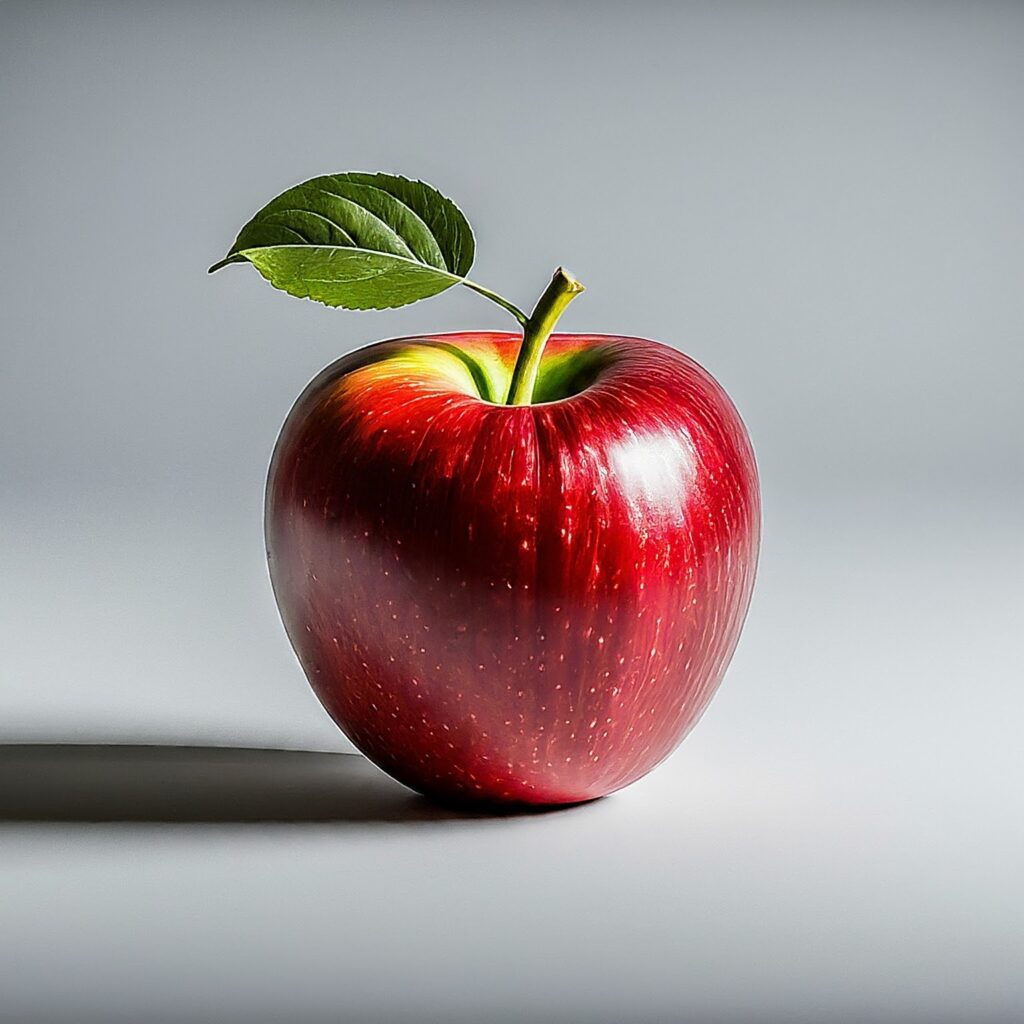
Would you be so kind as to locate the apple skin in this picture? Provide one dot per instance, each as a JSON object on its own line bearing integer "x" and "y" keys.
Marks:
{"x": 513, "y": 604}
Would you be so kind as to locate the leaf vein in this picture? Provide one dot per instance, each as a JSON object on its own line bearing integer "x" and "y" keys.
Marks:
{"x": 383, "y": 223}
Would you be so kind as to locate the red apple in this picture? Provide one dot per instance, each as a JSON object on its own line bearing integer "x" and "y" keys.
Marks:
{"x": 514, "y": 603}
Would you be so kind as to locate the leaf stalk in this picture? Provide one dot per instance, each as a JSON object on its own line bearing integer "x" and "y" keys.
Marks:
{"x": 495, "y": 297}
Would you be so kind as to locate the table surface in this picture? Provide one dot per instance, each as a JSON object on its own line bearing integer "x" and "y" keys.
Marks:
{"x": 839, "y": 839}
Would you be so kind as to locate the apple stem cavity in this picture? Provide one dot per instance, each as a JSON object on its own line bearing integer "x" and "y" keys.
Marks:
{"x": 562, "y": 289}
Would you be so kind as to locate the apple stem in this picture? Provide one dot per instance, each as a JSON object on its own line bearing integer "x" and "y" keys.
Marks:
{"x": 536, "y": 331}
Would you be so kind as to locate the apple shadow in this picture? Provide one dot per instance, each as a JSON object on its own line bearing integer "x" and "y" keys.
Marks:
{"x": 204, "y": 785}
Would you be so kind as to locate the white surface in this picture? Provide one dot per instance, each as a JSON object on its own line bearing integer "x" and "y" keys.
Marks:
{"x": 839, "y": 839}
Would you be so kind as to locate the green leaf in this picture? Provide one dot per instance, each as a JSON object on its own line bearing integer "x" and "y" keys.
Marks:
{"x": 362, "y": 241}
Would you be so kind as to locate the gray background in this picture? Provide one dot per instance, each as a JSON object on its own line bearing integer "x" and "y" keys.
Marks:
{"x": 821, "y": 203}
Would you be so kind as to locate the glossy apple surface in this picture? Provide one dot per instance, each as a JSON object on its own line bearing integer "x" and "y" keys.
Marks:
{"x": 522, "y": 604}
